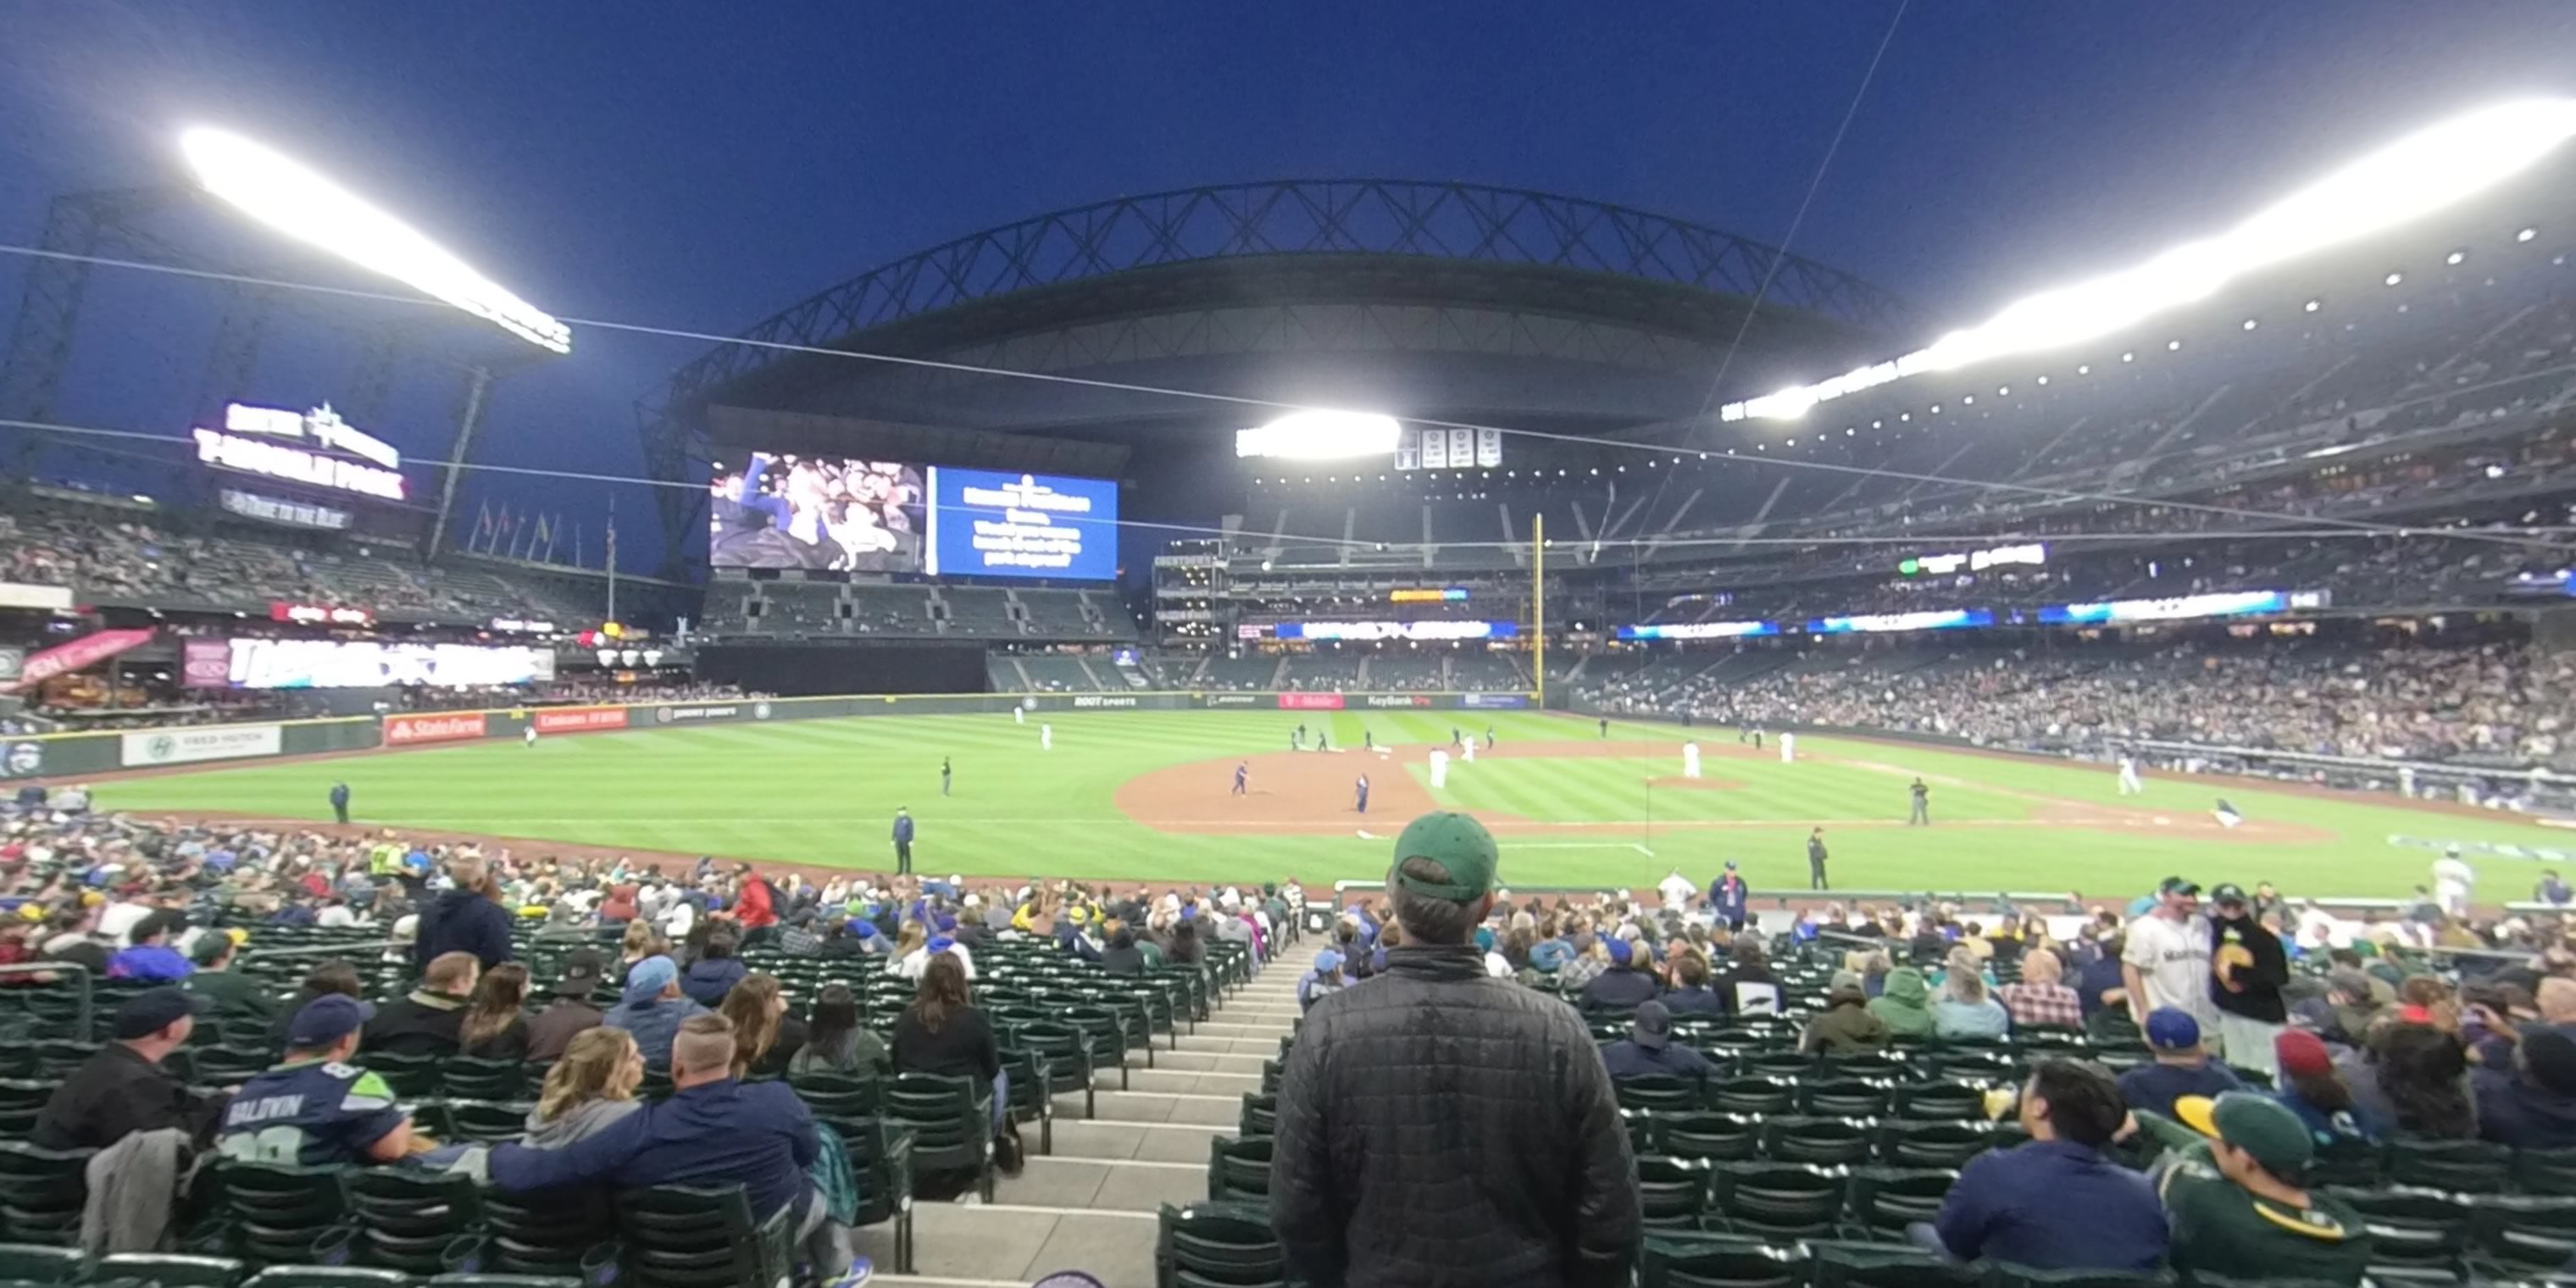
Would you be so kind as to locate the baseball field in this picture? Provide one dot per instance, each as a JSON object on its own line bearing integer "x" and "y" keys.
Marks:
{"x": 1149, "y": 796}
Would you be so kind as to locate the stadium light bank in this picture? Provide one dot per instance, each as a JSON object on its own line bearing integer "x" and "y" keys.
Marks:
{"x": 2405, "y": 180}
{"x": 1316, "y": 434}
{"x": 284, "y": 194}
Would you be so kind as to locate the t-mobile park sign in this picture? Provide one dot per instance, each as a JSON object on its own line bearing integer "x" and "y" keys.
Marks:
{"x": 247, "y": 443}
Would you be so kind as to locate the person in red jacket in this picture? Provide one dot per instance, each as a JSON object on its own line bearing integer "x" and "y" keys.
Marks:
{"x": 755, "y": 907}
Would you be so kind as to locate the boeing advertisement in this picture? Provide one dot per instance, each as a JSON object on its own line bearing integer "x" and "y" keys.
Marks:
{"x": 984, "y": 523}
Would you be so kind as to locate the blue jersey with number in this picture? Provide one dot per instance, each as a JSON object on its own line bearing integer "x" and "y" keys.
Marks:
{"x": 312, "y": 1114}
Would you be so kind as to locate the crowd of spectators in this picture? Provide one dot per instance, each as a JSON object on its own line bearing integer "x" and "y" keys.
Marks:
{"x": 2496, "y": 703}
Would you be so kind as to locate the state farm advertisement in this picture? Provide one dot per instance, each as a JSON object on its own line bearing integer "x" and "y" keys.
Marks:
{"x": 1310, "y": 702}
{"x": 577, "y": 719}
{"x": 410, "y": 731}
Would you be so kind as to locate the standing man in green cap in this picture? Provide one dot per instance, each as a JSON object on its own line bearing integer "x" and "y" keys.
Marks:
{"x": 1438, "y": 1126}
{"x": 2233, "y": 1180}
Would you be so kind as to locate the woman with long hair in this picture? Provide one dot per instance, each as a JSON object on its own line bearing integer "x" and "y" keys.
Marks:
{"x": 837, "y": 1042}
{"x": 592, "y": 1086}
{"x": 1185, "y": 949}
{"x": 2414, "y": 1077}
{"x": 2311, "y": 1088}
{"x": 765, "y": 1036}
{"x": 641, "y": 941}
{"x": 908, "y": 939}
{"x": 493, "y": 1028}
{"x": 1962, "y": 1008}
{"x": 943, "y": 1032}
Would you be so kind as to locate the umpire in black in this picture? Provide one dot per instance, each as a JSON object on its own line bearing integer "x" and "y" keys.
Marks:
{"x": 1444, "y": 1127}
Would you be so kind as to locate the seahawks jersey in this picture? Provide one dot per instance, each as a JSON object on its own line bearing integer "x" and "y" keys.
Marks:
{"x": 313, "y": 1114}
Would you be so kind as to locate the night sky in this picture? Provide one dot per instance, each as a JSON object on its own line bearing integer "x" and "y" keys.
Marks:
{"x": 700, "y": 166}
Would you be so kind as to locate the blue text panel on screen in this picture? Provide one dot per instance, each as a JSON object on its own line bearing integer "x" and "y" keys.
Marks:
{"x": 985, "y": 523}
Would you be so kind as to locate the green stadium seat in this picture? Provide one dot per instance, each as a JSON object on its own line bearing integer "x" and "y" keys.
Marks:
{"x": 284, "y": 1215}
{"x": 1824, "y": 1141}
{"x": 1780, "y": 1200}
{"x": 468, "y": 1078}
{"x": 1939, "y": 1101}
{"x": 688, "y": 1236}
{"x": 1884, "y": 1200}
{"x": 2011, "y": 1276}
{"x": 169, "y": 1270}
{"x": 1662, "y": 1093}
{"x": 1933, "y": 1143}
{"x": 412, "y": 1077}
{"x": 548, "y": 1233}
{"x": 328, "y": 1277}
{"x": 2454, "y": 1166}
{"x": 406, "y": 1218}
{"x": 1067, "y": 1052}
{"x": 2412, "y": 1230}
{"x": 1751, "y": 1095}
{"x": 881, "y": 1158}
{"x": 35, "y": 1263}
{"x": 1673, "y": 1192}
{"x": 1217, "y": 1245}
{"x": 1239, "y": 1169}
{"x": 952, "y": 1127}
{"x": 1260, "y": 1115}
{"x": 2545, "y": 1171}
{"x": 1840, "y": 1263}
{"x": 2523, "y": 1237}
{"x": 1717, "y": 1138}
{"x": 1830, "y": 1097}
{"x": 1676, "y": 1259}
{"x": 42, "y": 1191}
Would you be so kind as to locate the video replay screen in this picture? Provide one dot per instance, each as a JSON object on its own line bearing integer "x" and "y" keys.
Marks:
{"x": 820, "y": 513}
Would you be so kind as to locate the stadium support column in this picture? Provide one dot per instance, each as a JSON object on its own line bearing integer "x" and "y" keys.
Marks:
{"x": 478, "y": 383}
{"x": 1538, "y": 601}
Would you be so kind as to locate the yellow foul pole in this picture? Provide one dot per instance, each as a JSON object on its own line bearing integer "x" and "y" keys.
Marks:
{"x": 1538, "y": 599}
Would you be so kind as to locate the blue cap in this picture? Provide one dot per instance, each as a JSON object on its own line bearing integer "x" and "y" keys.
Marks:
{"x": 1620, "y": 952}
{"x": 1328, "y": 962}
{"x": 946, "y": 922}
{"x": 1189, "y": 912}
{"x": 327, "y": 1019}
{"x": 941, "y": 943}
{"x": 653, "y": 974}
{"x": 1485, "y": 938}
{"x": 862, "y": 927}
{"x": 2172, "y": 1029}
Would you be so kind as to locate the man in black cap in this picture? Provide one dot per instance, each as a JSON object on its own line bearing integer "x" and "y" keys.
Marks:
{"x": 123, "y": 1088}
{"x": 1439, "y": 1125}
{"x": 236, "y": 1003}
{"x": 2233, "y": 1182}
{"x": 1649, "y": 1052}
{"x": 2248, "y": 966}
{"x": 574, "y": 1010}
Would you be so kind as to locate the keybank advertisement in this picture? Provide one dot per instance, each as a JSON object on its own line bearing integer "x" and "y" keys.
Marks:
{"x": 214, "y": 742}
{"x": 988, "y": 524}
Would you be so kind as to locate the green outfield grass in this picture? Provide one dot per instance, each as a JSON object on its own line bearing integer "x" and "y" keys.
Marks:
{"x": 822, "y": 792}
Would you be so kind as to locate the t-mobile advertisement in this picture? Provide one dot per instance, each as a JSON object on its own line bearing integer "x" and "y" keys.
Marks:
{"x": 989, "y": 524}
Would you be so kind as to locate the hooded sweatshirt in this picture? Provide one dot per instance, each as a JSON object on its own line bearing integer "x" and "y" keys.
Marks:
{"x": 652, "y": 1020}
{"x": 710, "y": 978}
{"x": 2515, "y": 1110}
{"x": 1901, "y": 1005}
{"x": 463, "y": 921}
{"x": 584, "y": 1119}
{"x": 1848, "y": 1025}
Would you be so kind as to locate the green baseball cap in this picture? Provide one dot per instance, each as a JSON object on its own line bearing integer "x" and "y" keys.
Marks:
{"x": 1456, "y": 842}
{"x": 2255, "y": 1123}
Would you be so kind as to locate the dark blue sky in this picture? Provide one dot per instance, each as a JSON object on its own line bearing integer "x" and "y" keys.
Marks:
{"x": 699, "y": 166}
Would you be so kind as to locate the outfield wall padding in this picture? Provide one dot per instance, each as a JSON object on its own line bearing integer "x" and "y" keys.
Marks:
{"x": 71, "y": 755}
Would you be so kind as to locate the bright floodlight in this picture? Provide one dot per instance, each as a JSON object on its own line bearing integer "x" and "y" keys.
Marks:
{"x": 282, "y": 193}
{"x": 2405, "y": 180}
{"x": 1317, "y": 435}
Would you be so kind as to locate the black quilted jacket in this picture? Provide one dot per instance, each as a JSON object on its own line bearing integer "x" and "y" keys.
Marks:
{"x": 1439, "y": 1127}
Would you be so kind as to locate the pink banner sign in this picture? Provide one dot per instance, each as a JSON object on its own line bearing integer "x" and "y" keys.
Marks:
{"x": 63, "y": 659}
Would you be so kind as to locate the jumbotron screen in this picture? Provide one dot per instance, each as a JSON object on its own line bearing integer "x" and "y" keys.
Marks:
{"x": 984, "y": 523}
{"x": 365, "y": 664}
{"x": 821, "y": 513}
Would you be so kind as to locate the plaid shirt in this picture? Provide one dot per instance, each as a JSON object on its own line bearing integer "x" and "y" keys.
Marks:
{"x": 2046, "y": 1005}
{"x": 796, "y": 941}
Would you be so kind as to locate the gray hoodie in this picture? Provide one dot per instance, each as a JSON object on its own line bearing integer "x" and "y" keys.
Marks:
{"x": 585, "y": 1119}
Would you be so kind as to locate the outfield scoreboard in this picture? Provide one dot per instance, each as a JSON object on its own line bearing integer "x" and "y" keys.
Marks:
{"x": 834, "y": 514}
